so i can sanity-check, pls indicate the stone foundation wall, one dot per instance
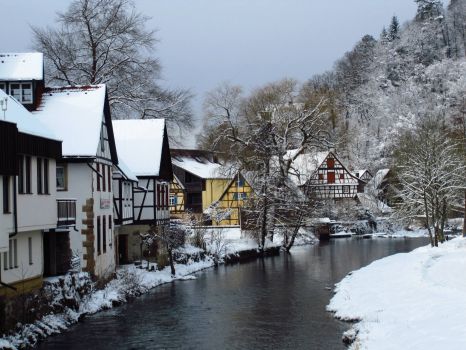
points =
(89, 237)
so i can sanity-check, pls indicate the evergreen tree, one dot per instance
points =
(394, 29)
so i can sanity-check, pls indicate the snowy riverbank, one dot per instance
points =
(407, 301)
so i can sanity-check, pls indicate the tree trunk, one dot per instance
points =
(426, 208)
(464, 219)
(172, 265)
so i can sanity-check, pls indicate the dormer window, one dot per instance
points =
(21, 92)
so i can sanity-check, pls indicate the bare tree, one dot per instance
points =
(106, 42)
(171, 237)
(431, 175)
(258, 132)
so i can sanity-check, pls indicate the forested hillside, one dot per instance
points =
(385, 86)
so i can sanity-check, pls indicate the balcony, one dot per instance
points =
(66, 212)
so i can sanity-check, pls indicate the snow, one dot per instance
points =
(74, 113)
(21, 66)
(139, 142)
(202, 168)
(24, 120)
(305, 165)
(408, 301)
(376, 181)
(125, 170)
(374, 204)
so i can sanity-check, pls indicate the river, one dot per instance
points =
(275, 303)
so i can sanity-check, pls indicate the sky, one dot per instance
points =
(203, 43)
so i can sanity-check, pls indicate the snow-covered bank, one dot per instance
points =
(407, 301)
(129, 282)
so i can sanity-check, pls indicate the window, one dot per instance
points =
(6, 194)
(13, 253)
(342, 176)
(109, 178)
(110, 224)
(21, 92)
(330, 163)
(3, 87)
(240, 196)
(28, 174)
(98, 235)
(21, 175)
(46, 176)
(39, 176)
(5, 261)
(98, 177)
(103, 177)
(173, 200)
(104, 233)
(61, 178)
(30, 249)
(321, 176)
(346, 189)
(240, 182)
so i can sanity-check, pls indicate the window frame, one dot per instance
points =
(6, 194)
(65, 180)
(22, 88)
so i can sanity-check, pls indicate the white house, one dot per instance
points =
(143, 144)
(323, 175)
(124, 182)
(80, 115)
(28, 212)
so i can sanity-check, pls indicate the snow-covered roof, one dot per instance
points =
(22, 66)
(125, 170)
(140, 142)
(75, 115)
(201, 167)
(305, 165)
(24, 120)
(376, 181)
(360, 172)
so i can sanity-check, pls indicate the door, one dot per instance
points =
(123, 249)
(331, 177)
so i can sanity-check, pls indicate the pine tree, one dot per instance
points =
(394, 29)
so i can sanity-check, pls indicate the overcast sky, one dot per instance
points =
(246, 42)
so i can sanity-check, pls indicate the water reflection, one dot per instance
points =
(276, 303)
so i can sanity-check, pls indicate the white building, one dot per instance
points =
(28, 212)
(143, 144)
(81, 117)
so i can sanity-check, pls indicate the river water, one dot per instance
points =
(275, 303)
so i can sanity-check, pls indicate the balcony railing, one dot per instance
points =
(66, 212)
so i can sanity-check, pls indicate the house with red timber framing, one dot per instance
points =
(323, 176)
(144, 147)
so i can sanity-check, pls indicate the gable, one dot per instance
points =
(75, 113)
(332, 171)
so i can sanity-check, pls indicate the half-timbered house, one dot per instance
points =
(28, 213)
(232, 200)
(80, 115)
(177, 197)
(202, 178)
(144, 146)
(323, 176)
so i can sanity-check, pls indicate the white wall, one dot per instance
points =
(6, 220)
(24, 270)
(79, 187)
(38, 211)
